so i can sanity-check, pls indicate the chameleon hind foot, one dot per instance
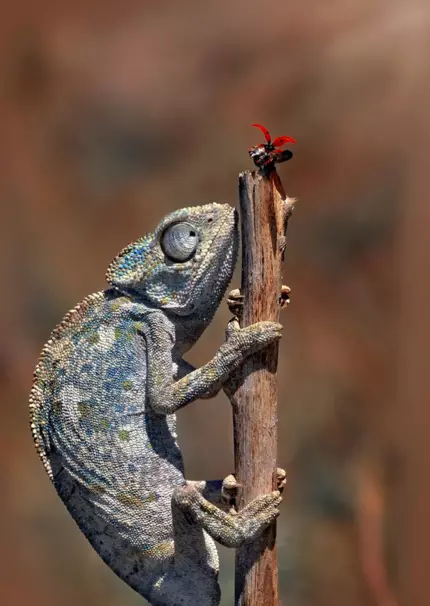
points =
(231, 487)
(231, 530)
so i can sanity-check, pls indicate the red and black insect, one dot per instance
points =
(265, 155)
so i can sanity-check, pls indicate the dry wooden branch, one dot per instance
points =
(264, 215)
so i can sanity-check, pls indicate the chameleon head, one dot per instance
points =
(185, 265)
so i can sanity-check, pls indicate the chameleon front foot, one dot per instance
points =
(235, 300)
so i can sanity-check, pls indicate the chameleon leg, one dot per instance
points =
(167, 396)
(192, 577)
(227, 529)
(185, 368)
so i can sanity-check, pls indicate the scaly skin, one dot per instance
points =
(105, 391)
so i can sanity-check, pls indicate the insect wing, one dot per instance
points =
(282, 141)
(265, 132)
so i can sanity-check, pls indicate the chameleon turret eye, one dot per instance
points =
(179, 241)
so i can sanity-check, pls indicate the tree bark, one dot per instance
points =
(264, 215)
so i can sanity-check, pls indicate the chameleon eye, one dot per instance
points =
(179, 241)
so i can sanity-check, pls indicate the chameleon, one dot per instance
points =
(102, 409)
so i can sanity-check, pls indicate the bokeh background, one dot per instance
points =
(113, 113)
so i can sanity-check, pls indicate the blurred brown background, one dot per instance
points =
(114, 113)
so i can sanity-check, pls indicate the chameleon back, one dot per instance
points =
(105, 451)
